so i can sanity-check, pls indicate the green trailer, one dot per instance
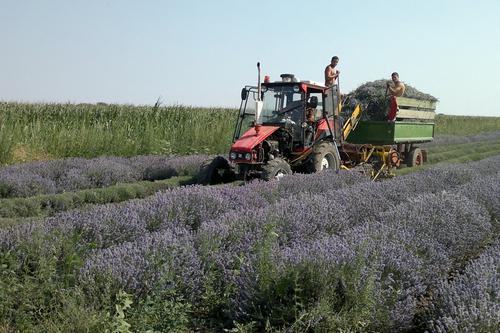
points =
(389, 133)
(387, 144)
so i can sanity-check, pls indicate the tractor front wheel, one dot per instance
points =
(276, 169)
(324, 156)
(215, 171)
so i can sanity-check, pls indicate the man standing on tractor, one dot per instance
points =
(332, 73)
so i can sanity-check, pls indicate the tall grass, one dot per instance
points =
(44, 131)
(465, 125)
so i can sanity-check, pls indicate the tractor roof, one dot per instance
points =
(311, 86)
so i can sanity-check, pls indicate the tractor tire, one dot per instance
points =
(276, 169)
(415, 158)
(214, 171)
(324, 156)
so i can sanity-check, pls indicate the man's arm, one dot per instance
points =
(334, 74)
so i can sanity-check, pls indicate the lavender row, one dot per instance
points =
(470, 302)
(189, 207)
(57, 176)
(442, 140)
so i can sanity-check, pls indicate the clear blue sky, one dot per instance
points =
(202, 52)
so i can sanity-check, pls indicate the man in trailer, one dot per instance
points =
(397, 90)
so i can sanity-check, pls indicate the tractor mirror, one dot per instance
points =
(244, 94)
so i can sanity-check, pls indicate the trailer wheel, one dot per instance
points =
(214, 171)
(324, 156)
(415, 158)
(276, 169)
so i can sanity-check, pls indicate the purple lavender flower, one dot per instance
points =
(470, 302)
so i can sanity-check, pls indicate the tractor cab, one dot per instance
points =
(299, 109)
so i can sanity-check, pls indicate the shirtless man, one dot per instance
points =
(331, 73)
(397, 91)
(399, 88)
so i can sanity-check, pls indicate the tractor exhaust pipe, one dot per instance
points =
(258, 81)
(258, 103)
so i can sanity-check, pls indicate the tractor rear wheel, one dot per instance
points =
(324, 156)
(215, 171)
(276, 169)
(415, 158)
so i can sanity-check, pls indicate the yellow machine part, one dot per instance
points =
(351, 123)
(386, 154)
(388, 157)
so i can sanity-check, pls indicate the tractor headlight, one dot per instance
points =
(296, 88)
(248, 156)
(233, 155)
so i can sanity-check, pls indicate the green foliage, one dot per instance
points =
(465, 125)
(42, 131)
(212, 310)
(119, 324)
(161, 311)
(304, 298)
(37, 293)
(310, 296)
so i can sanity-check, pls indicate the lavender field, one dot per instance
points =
(327, 252)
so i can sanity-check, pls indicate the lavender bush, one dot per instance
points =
(486, 191)
(162, 260)
(470, 302)
(72, 174)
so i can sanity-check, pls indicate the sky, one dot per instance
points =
(201, 53)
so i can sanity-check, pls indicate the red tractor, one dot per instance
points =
(282, 127)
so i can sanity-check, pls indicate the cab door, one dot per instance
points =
(331, 99)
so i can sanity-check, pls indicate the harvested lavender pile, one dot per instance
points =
(373, 99)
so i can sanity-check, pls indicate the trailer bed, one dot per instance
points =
(389, 133)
